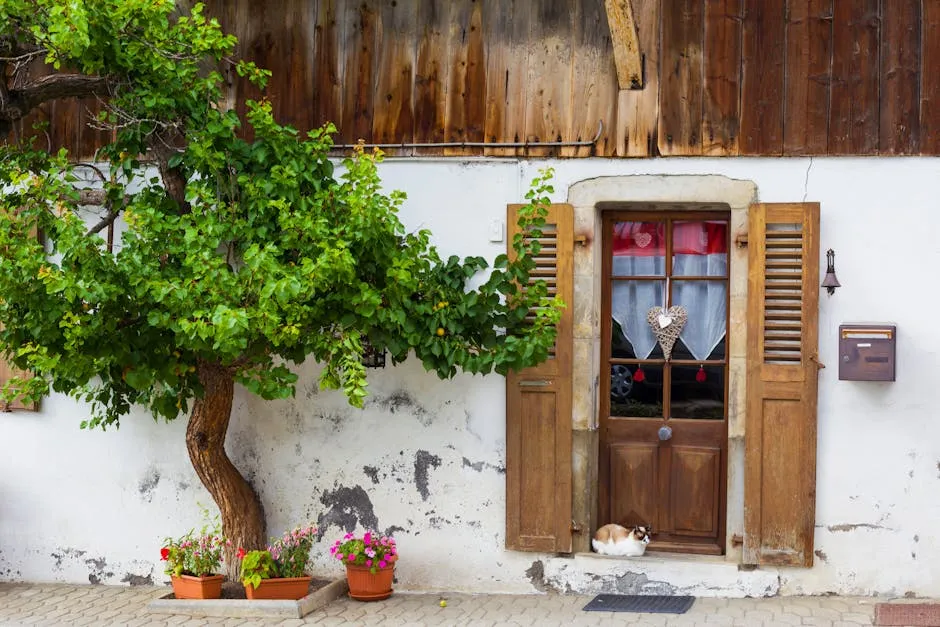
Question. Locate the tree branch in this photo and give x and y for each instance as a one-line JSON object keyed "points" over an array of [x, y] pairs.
{"points": [[98, 197], [55, 86], [105, 222], [92, 197], [21, 101]]}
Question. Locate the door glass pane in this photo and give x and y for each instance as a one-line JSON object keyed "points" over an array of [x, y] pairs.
{"points": [[630, 398], [698, 394], [680, 352], [639, 249], [630, 301], [700, 248], [706, 303]]}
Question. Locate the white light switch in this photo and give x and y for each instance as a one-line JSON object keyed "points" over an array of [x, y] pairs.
{"points": [[496, 230]]}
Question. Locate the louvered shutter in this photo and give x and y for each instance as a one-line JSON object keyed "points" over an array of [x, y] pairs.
{"points": [[538, 410], [782, 370], [6, 373]]}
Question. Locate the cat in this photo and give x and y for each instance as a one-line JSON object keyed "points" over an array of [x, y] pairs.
{"points": [[616, 540]]}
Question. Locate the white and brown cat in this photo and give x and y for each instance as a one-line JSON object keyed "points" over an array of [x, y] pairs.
{"points": [[616, 540]]}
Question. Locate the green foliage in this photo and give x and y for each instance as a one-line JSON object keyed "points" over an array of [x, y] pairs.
{"points": [[196, 554], [371, 550], [269, 255], [256, 565], [286, 556]]}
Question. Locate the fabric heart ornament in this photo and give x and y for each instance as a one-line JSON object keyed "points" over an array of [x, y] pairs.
{"points": [[667, 324], [642, 239]]}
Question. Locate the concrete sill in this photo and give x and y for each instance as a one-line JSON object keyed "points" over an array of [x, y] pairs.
{"points": [[242, 608], [662, 557]]}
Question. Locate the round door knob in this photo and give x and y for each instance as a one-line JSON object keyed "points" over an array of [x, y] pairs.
{"points": [[665, 433]]}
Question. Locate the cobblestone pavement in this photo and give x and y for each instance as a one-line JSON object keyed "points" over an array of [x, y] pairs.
{"points": [[55, 604]]}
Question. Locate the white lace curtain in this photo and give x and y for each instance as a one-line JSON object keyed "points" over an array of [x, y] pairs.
{"points": [[699, 249]]}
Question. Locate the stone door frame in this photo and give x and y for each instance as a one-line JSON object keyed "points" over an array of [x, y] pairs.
{"points": [[589, 198]]}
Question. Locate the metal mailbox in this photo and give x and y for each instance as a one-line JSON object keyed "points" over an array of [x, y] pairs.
{"points": [[867, 352]]}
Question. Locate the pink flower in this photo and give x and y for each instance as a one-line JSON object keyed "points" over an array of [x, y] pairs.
{"points": [[368, 562], [339, 556], [348, 536], [383, 564], [367, 538], [352, 558]]}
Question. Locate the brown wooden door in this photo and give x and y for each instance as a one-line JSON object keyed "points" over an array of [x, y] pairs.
{"points": [[782, 370], [538, 409], [663, 441]]}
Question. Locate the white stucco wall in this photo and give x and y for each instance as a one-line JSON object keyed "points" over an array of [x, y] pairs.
{"points": [[425, 458]]}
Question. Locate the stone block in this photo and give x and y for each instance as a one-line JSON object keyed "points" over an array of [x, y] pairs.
{"points": [[243, 608]]}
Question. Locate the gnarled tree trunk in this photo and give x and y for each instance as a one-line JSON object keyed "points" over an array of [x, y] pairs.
{"points": [[242, 515]]}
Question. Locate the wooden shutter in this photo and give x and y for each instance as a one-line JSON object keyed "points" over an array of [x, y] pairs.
{"points": [[6, 373], [538, 411], [782, 369]]}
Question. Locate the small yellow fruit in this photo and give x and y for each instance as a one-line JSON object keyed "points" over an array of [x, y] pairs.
{"points": [[443, 603], [440, 331]]}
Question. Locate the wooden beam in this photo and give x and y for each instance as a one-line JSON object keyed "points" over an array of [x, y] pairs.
{"points": [[626, 43]]}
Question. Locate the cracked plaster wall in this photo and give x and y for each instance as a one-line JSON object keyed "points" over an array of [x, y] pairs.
{"points": [[425, 458]]}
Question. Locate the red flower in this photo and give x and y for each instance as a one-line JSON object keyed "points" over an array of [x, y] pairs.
{"points": [[164, 554], [241, 553]]}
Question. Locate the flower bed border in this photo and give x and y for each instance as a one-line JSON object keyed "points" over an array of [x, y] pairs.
{"points": [[243, 608]]}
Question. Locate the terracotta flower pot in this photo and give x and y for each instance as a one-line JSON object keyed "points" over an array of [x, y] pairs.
{"points": [[366, 586], [190, 587], [291, 588]]}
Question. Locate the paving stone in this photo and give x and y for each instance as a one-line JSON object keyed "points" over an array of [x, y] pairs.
{"points": [[100, 606]]}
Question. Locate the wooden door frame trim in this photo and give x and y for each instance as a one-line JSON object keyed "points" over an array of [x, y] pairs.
{"points": [[590, 198], [667, 214]]}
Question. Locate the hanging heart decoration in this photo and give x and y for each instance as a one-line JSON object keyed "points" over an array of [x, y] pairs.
{"points": [[667, 324], [642, 239]]}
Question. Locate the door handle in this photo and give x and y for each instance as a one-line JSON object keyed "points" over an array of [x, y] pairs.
{"points": [[815, 359], [665, 433]]}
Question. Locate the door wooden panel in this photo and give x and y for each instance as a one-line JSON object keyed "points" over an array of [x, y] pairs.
{"points": [[779, 459], [634, 473], [782, 370], [695, 490], [537, 503]]}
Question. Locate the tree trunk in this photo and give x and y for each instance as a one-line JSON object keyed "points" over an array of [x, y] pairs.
{"points": [[242, 515]]}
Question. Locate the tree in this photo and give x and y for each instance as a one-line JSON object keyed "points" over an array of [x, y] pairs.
{"points": [[239, 257]]}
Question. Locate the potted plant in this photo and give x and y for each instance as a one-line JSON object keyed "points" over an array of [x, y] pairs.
{"points": [[370, 564], [192, 562], [278, 571]]}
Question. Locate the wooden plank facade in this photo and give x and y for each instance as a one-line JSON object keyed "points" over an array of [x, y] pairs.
{"points": [[721, 77]]}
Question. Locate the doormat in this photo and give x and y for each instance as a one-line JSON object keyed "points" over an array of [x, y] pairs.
{"points": [[639, 604], [909, 614]]}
